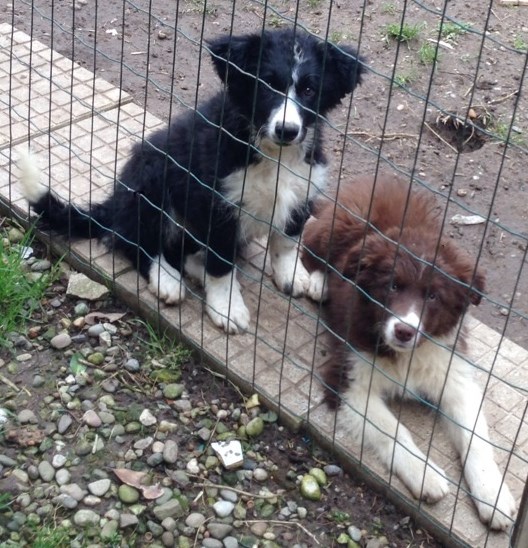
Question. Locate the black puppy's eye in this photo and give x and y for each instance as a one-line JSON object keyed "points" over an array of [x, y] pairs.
{"points": [[308, 92]]}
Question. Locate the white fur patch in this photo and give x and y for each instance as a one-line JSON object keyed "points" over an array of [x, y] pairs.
{"points": [[29, 177], [225, 304], [317, 289], [194, 267], [389, 331], [287, 115], [289, 273], [269, 190], [165, 281]]}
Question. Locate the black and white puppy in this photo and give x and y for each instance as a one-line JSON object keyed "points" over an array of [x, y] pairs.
{"points": [[245, 165]]}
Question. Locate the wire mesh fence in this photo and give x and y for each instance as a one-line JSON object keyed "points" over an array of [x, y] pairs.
{"points": [[440, 109]]}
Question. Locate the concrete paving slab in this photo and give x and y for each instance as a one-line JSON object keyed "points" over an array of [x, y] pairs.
{"points": [[41, 90]]}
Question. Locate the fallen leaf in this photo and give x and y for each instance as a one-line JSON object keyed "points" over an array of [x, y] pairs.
{"points": [[136, 479], [93, 317]]}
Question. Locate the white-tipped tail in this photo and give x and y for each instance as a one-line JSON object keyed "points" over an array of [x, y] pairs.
{"points": [[32, 188]]}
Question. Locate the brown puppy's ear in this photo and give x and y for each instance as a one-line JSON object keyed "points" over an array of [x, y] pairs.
{"points": [[478, 286]]}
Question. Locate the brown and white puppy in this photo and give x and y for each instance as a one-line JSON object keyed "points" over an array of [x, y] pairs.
{"points": [[397, 294]]}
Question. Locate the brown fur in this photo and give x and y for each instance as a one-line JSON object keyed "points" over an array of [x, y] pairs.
{"points": [[364, 262]]}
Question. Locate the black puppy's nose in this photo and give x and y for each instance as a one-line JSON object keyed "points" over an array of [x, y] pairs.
{"points": [[286, 133]]}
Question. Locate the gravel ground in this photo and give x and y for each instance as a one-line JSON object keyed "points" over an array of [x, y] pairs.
{"points": [[107, 435]]}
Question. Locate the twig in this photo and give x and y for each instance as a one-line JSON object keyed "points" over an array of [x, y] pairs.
{"points": [[383, 136], [513, 2], [440, 137], [505, 98], [5, 380], [235, 490], [284, 524], [468, 90]]}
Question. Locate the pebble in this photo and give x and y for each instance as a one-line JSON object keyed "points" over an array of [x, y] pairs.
{"points": [[91, 418], [65, 500], [354, 533], [169, 509], [229, 495], [219, 530], [84, 518], [173, 391], [46, 471], [58, 460], [223, 508], [259, 474], [147, 418], [81, 309], [99, 487], [255, 427], [26, 416], [63, 476], [109, 530], [310, 488], [132, 365], [170, 452], [213, 543], [193, 467], [74, 491], [332, 470], [38, 381], [64, 423], [230, 542], [60, 341], [128, 520], [170, 524], [127, 494], [195, 520]]}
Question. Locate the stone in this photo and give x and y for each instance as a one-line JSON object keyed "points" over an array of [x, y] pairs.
{"points": [[91, 418], [99, 487], [83, 287], [66, 501], [147, 418], [128, 520], [173, 391], [170, 452], [58, 460], [132, 365], [64, 423], [195, 520], [73, 490], [259, 474], [46, 471], [255, 427], [223, 508], [85, 517], [63, 476], [127, 494], [60, 341], [169, 509], [219, 530], [310, 488], [26, 416], [109, 529]]}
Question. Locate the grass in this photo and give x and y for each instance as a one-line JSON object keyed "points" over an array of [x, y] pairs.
{"points": [[312, 4], [389, 8], [501, 129], [450, 30], [405, 32], [51, 537], [520, 43], [20, 293], [428, 54], [407, 78]]}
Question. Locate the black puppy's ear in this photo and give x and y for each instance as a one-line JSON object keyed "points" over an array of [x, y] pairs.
{"points": [[231, 54], [344, 66]]}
